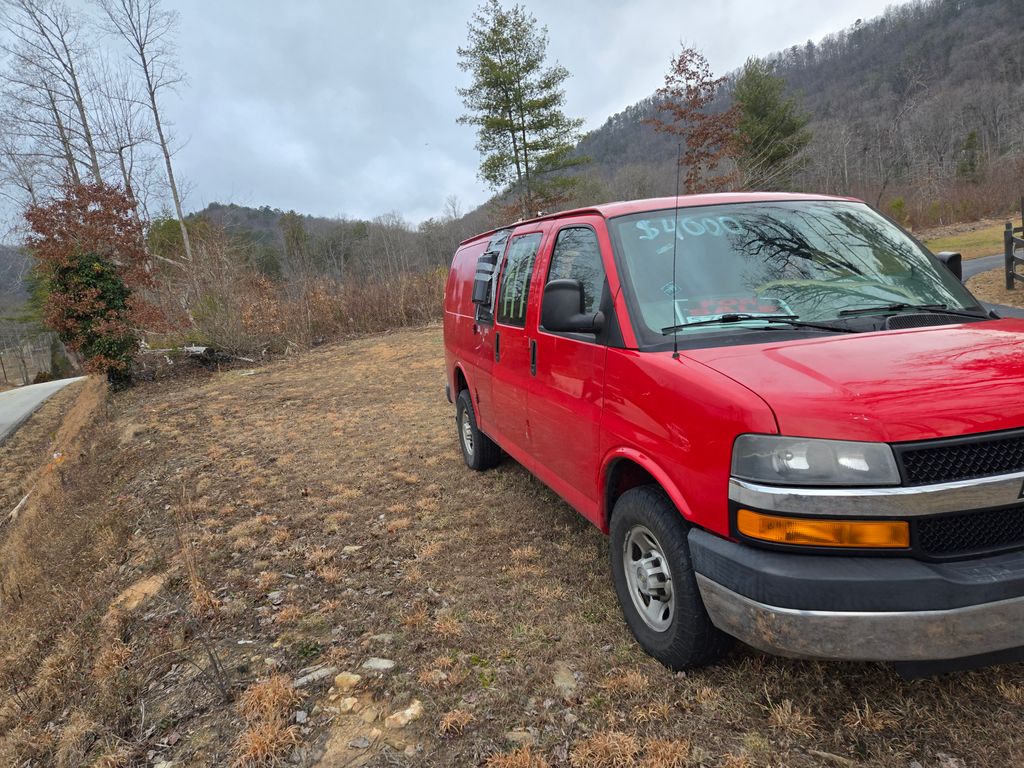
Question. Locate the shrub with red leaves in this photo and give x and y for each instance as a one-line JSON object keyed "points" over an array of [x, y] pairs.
{"points": [[91, 258]]}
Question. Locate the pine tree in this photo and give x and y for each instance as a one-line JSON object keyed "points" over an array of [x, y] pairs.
{"points": [[771, 130], [516, 102], [967, 166]]}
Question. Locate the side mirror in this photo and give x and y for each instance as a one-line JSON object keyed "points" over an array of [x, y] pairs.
{"points": [[953, 261], [562, 309], [483, 281]]}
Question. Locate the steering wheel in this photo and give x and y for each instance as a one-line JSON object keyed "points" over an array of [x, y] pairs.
{"points": [[837, 285]]}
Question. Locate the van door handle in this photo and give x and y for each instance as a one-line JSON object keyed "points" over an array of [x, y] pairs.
{"points": [[497, 347], [533, 357]]}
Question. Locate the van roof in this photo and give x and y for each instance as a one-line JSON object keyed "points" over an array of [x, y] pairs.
{"points": [[625, 207]]}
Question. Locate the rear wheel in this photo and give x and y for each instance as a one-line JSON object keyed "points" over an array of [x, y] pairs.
{"points": [[478, 450], [655, 582]]}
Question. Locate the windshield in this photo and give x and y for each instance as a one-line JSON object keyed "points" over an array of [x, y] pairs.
{"points": [[803, 259]]}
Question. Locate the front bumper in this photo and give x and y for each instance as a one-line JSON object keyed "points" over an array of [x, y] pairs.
{"points": [[859, 608]]}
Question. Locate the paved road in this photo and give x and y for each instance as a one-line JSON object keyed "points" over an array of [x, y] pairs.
{"points": [[17, 405], [974, 266], [985, 263]]}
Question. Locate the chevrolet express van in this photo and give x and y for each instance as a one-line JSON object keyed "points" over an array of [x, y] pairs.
{"points": [[797, 426]]}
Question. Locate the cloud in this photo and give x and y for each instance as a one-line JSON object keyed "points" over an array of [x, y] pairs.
{"points": [[348, 108]]}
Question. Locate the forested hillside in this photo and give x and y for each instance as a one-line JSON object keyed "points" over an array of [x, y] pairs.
{"points": [[288, 243], [921, 109]]}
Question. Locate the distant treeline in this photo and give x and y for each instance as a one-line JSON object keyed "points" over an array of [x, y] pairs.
{"points": [[920, 111]]}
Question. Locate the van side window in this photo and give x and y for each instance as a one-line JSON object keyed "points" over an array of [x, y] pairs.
{"points": [[487, 276], [577, 256], [515, 280]]}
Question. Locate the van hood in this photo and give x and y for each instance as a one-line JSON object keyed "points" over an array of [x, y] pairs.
{"points": [[888, 386]]}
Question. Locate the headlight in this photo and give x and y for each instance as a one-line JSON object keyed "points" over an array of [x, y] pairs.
{"points": [[804, 461]]}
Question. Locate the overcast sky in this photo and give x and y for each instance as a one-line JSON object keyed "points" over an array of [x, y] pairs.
{"points": [[348, 109]]}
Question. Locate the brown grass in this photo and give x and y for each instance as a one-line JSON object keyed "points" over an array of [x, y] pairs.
{"points": [[264, 743], [454, 722], [267, 738], [524, 757], [29, 449], [605, 749], [269, 699], [665, 753], [372, 441], [54, 590]]}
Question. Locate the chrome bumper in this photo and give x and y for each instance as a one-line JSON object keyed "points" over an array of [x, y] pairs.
{"points": [[864, 635], [897, 501]]}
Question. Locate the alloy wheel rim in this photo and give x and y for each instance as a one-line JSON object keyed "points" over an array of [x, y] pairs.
{"points": [[648, 578]]}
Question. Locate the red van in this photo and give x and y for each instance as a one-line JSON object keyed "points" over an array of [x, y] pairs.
{"points": [[795, 423]]}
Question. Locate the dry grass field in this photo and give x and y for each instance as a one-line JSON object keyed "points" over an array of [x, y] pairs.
{"points": [[972, 239], [211, 541]]}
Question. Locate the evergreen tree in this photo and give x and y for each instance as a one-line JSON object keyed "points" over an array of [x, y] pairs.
{"points": [[967, 164], [771, 130], [296, 240], [515, 101]]}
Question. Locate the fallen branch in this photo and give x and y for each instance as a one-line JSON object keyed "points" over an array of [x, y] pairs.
{"points": [[14, 512]]}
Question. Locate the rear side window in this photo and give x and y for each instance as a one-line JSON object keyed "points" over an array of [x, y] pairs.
{"points": [[515, 280], [487, 265], [577, 256]]}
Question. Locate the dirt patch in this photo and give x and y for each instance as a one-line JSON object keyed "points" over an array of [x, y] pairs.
{"points": [[132, 598], [990, 287], [331, 527]]}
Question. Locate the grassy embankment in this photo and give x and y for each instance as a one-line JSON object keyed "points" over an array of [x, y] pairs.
{"points": [[983, 238]]}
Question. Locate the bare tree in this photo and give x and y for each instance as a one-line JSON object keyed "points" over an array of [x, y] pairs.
{"points": [[149, 30], [44, 41], [452, 208], [19, 166], [126, 128], [36, 151]]}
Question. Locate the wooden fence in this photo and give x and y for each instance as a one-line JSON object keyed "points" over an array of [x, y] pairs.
{"points": [[21, 358], [1011, 245]]}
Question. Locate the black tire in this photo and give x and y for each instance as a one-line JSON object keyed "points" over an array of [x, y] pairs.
{"points": [[482, 452], [690, 639]]}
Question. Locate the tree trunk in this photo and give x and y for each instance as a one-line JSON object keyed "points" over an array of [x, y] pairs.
{"points": [[151, 91], [128, 183], [65, 142], [86, 132]]}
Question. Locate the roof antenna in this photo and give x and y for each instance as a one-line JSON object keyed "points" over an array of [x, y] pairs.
{"points": [[675, 241]]}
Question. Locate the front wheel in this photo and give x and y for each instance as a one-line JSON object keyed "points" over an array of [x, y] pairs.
{"points": [[478, 450], [655, 582]]}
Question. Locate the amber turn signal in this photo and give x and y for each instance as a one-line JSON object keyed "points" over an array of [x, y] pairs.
{"points": [[891, 534]]}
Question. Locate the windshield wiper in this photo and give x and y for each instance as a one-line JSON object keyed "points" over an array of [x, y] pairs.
{"points": [[739, 317], [902, 307]]}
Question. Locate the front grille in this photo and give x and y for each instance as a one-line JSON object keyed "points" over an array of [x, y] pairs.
{"points": [[971, 532], [962, 458]]}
